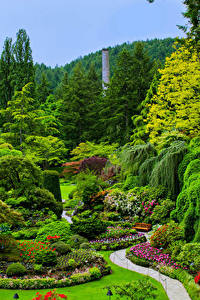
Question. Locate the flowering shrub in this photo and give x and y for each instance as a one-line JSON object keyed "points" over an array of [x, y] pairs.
{"points": [[165, 235], [118, 243], [28, 249], [149, 206], [197, 278], [53, 239], [145, 251], [116, 232], [52, 295]]}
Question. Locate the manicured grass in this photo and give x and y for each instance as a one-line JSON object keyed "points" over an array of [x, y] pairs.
{"points": [[66, 189], [91, 290]]}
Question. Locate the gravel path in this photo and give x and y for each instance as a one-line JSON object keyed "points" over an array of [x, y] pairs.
{"points": [[174, 288]]}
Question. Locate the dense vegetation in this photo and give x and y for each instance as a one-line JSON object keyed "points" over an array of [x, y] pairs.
{"points": [[130, 153]]}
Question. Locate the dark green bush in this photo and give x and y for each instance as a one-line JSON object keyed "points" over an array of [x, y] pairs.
{"points": [[59, 228], [85, 246], [161, 213], [45, 257], [76, 240], [88, 225], [16, 269], [42, 198], [61, 248], [131, 182], [52, 184], [25, 234]]}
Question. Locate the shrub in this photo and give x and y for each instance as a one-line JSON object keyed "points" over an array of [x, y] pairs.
{"points": [[61, 248], [46, 257], [95, 164], [190, 256], [52, 295], [37, 268], [88, 225], [26, 234], [80, 278], [16, 269], [165, 235], [52, 184], [42, 198], [161, 213], [60, 228], [95, 273], [131, 182], [76, 240], [85, 246]]}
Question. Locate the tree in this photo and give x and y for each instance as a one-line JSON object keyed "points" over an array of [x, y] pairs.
{"points": [[125, 92], [6, 73], [78, 113], [43, 90], [45, 151], [22, 118], [176, 105], [24, 68]]}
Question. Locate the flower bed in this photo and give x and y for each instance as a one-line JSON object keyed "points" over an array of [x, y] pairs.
{"points": [[118, 243], [117, 232], [28, 249], [154, 255]]}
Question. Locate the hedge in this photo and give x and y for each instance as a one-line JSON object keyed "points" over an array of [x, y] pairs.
{"points": [[52, 184]]}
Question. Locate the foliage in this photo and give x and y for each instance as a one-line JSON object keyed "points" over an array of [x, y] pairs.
{"points": [[161, 213], [129, 84], [165, 171], [71, 168], [61, 248], [89, 149], [30, 249], [189, 256], [166, 234], [130, 182], [52, 184], [88, 184], [131, 157], [46, 257], [88, 224], [187, 204], [176, 105], [76, 240], [95, 273], [61, 228], [136, 290], [45, 151], [52, 295], [94, 164], [16, 269], [9, 215]]}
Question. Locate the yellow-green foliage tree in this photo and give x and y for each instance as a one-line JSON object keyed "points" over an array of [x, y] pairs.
{"points": [[176, 106]]}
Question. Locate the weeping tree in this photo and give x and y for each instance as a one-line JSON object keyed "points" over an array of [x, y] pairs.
{"points": [[163, 169], [131, 157]]}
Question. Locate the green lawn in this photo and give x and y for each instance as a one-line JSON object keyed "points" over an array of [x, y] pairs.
{"points": [[66, 189], [91, 290]]}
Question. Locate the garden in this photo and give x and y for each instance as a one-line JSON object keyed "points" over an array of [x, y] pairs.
{"points": [[73, 187]]}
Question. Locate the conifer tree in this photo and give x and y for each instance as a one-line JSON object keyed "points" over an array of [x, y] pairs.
{"points": [[43, 90], [24, 68], [126, 91], [6, 73]]}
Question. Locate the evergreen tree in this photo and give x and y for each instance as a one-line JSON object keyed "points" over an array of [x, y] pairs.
{"points": [[126, 91], [22, 118], [43, 90], [24, 68], [6, 73], [79, 102]]}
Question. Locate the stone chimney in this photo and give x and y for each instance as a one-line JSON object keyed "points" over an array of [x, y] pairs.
{"points": [[105, 67]]}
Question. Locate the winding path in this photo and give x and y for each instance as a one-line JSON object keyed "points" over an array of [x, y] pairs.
{"points": [[174, 288]]}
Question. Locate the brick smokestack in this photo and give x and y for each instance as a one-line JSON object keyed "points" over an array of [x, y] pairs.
{"points": [[105, 67]]}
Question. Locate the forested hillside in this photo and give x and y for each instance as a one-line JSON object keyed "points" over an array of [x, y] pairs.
{"points": [[157, 49]]}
